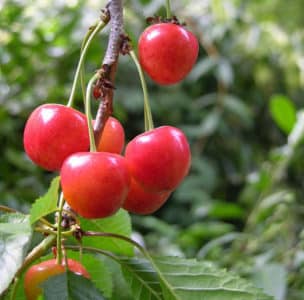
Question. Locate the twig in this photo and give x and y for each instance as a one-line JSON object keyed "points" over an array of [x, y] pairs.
{"points": [[108, 69]]}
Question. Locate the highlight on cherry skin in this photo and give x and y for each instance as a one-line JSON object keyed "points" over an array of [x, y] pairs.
{"points": [[52, 133], [39, 273], [167, 52], [95, 184], [159, 159]]}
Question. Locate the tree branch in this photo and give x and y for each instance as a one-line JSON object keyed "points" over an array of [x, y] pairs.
{"points": [[105, 84]]}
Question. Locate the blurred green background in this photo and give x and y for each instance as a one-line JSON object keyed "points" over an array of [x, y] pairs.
{"points": [[242, 204]]}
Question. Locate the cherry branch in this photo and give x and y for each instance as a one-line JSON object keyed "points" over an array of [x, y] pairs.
{"points": [[107, 73]]}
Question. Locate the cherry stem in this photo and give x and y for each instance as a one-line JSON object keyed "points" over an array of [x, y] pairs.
{"points": [[168, 9], [147, 109], [99, 27], [94, 250], [88, 111], [59, 229]]}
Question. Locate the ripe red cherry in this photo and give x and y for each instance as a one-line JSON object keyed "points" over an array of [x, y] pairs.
{"points": [[52, 133], [159, 159], [113, 137], [167, 52], [143, 202], [39, 273], [95, 184]]}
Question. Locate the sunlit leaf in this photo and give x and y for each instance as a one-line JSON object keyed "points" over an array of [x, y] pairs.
{"points": [[283, 112], [15, 236], [47, 203]]}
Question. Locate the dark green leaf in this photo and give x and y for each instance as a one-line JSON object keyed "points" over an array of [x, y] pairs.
{"points": [[99, 272], [69, 286]]}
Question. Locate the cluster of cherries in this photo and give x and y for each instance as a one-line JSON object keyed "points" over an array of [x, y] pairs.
{"points": [[97, 184]]}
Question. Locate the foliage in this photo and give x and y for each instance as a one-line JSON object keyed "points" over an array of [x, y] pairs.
{"points": [[241, 206]]}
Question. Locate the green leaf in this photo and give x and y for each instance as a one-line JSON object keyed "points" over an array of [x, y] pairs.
{"points": [[120, 223], [99, 272], [283, 112], [47, 203], [15, 236], [142, 279], [192, 280], [68, 286]]}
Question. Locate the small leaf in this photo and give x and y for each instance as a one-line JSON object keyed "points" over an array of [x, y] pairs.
{"points": [[15, 236], [120, 223], [47, 203], [70, 286], [283, 112]]}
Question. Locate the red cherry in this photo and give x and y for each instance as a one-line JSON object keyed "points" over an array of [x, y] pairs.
{"points": [[113, 137], [143, 202], [159, 159], [39, 273], [52, 133], [95, 184], [167, 52]]}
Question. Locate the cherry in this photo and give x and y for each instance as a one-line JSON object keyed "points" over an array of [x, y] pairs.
{"points": [[113, 137], [141, 201], [167, 52], [95, 184], [52, 133], [159, 159], [39, 273]]}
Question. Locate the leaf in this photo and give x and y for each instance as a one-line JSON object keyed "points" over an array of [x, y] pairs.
{"points": [[70, 286], [119, 223], [15, 236], [283, 112], [192, 280], [142, 279], [47, 203], [273, 279], [99, 272]]}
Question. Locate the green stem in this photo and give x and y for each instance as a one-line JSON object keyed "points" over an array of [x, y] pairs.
{"points": [[88, 111], [59, 230], [99, 27], [168, 9], [147, 109], [94, 250]]}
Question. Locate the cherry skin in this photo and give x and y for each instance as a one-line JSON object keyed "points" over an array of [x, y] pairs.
{"points": [[39, 273], [95, 184], [167, 52], [159, 159], [143, 202], [52, 133], [113, 137]]}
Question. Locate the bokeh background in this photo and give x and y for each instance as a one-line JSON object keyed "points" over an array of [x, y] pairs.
{"points": [[242, 204]]}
